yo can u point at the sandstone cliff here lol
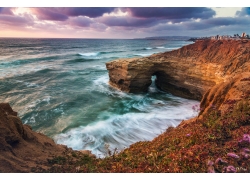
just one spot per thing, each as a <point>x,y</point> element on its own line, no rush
<point>188,72</point>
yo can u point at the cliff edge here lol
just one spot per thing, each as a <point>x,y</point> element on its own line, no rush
<point>187,72</point>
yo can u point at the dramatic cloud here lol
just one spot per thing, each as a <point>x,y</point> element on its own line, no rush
<point>244,11</point>
<point>81,21</point>
<point>171,12</point>
<point>61,14</point>
<point>49,14</point>
<point>127,21</point>
<point>4,10</point>
<point>91,12</point>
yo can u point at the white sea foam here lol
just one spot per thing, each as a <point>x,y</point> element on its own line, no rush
<point>121,130</point>
<point>101,84</point>
<point>31,84</point>
<point>144,54</point>
<point>160,47</point>
<point>47,99</point>
<point>89,54</point>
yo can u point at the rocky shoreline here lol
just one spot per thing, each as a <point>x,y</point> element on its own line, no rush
<point>187,72</point>
<point>216,72</point>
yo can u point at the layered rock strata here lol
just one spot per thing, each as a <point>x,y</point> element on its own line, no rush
<point>187,72</point>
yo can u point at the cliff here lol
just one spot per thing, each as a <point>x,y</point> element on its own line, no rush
<point>22,149</point>
<point>187,72</point>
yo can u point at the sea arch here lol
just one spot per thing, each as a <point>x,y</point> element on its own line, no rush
<point>181,78</point>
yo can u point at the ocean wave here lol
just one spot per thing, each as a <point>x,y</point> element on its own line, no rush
<point>89,58</point>
<point>101,85</point>
<point>148,48</point>
<point>43,71</point>
<point>109,52</point>
<point>93,54</point>
<point>83,59</point>
<point>121,130</point>
<point>27,61</point>
<point>144,54</point>
<point>15,63</point>
<point>89,54</point>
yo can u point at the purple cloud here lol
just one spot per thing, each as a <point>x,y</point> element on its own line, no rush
<point>127,21</point>
<point>5,10</point>
<point>15,20</point>
<point>91,12</point>
<point>62,14</point>
<point>81,21</point>
<point>49,14</point>
<point>171,12</point>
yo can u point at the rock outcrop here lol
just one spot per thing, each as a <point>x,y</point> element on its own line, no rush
<point>187,72</point>
<point>22,149</point>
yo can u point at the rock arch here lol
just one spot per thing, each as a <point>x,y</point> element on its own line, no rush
<point>134,76</point>
<point>187,72</point>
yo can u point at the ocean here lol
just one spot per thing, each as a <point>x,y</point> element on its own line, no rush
<point>60,88</point>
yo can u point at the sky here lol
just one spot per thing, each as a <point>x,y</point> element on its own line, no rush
<point>111,20</point>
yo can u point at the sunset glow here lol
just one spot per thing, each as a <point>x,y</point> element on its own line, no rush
<point>112,22</point>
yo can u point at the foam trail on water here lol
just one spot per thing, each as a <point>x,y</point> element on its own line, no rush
<point>142,54</point>
<point>120,131</point>
<point>89,54</point>
<point>143,117</point>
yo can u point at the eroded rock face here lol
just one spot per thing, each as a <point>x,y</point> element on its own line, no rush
<point>187,72</point>
<point>225,95</point>
<point>22,149</point>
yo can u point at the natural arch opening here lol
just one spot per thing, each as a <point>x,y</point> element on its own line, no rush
<point>156,77</point>
<point>152,87</point>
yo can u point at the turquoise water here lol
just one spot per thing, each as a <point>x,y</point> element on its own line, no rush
<point>60,88</point>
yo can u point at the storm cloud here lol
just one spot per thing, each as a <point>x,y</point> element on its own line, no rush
<point>172,12</point>
<point>91,12</point>
<point>80,21</point>
<point>62,14</point>
<point>126,22</point>
<point>49,14</point>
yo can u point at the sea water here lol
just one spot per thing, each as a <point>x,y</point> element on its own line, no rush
<point>60,88</point>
